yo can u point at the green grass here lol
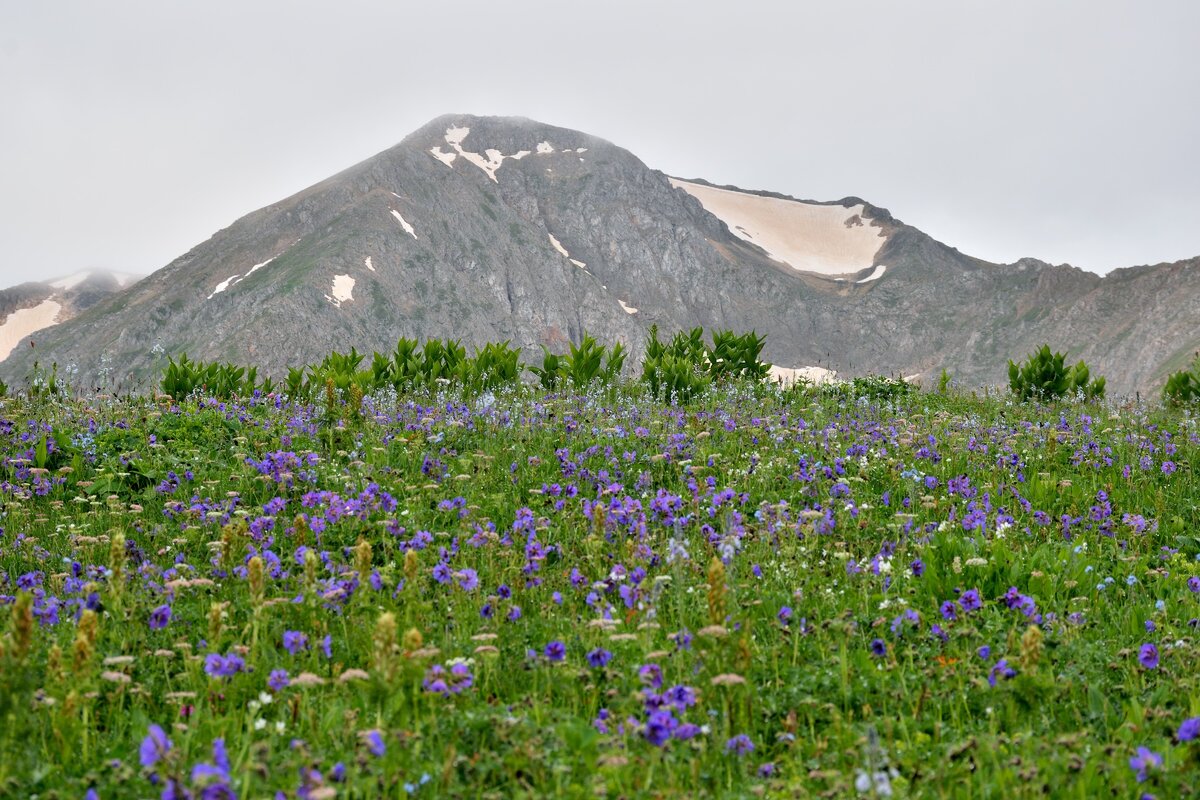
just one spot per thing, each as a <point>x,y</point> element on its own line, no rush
<point>661,535</point>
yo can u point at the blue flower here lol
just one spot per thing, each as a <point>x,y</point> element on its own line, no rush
<point>1148,656</point>
<point>159,617</point>
<point>154,746</point>
<point>1189,729</point>
<point>599,657</point>
<point>739,745</point>
<point>555,651</point>
<point>1143,760</point>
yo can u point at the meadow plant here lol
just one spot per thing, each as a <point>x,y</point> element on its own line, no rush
<point>871,592</point>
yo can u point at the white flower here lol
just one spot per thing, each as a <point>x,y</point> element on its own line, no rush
<point>259,724</point>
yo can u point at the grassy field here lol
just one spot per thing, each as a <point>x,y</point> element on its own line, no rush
<point>812,593</point>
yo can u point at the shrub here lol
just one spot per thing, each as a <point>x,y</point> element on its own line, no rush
<point>1183,387</point>
<point>586,362</point>
<point>182,378</point>
<point>1044,376</point>
<point>685,366</point>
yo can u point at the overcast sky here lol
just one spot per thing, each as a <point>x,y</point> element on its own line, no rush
<point>1068,131</point>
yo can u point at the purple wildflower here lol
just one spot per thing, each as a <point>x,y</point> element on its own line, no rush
<point>1148,656</point>
<point>278,680</point>
<point>599,658</point>
<point>1143,760</point>
<point>1189,729</point>
<point>159,617</point>
<point>154,746</point>
<point>555,651</point>
<point>739,745</point>
<point>295,641</point>
<point>971,600</point>
<point>223,666</point>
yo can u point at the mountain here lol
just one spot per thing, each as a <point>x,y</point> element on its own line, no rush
<point>31,307</point>
<point>486,229</point>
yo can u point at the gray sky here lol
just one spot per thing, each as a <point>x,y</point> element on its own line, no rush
<point>1068,131</point>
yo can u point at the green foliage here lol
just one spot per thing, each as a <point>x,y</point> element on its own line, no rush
<point>873,388</point>
<point>1183,387</point>
<point>584,364</point>
<point>184,377</point>
<point>1044,376</point>
<point>685,366</point>
<point>676,370</point>
<point>762,581</point>
<point>551,371</point>
<point>737,357</point>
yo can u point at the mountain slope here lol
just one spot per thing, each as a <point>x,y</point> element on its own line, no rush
<point>484,228</point>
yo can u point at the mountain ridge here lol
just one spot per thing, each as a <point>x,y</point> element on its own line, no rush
<point>493,228</point>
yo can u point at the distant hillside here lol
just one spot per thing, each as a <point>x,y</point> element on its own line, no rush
<point>485,228</point>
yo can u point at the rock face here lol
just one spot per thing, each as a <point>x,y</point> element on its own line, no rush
<point>486,229</point>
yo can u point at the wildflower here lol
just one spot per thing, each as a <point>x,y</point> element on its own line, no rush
<point>1193,583</point>
<point>159,617</point>
<point>215,776</point>
<point>555,651</point>
<point>154,746</point>
<point>278,680</point>
<point>971,600</point>
<point>682,697</point>
<point>659,728</point>
<point>468,579</point>
<point>917,567</point>
<point>327,646</point>
<point>375,744</point>
<point>295,641</point>
<point>1189,729</point>
<point>727,679</point>
<point>785,615</point>
<point>766,769</point>
<point>223,666</point>
<point>739,745</point>
<point>651,675</point>
<point>878,648</point>
<point>1148,656</point>
<point>1143,760</point>
<point>439,680</point>
<point>949,611</point>
<point>598,658</point>
<point>984,652</point>
<point>1000,670</point>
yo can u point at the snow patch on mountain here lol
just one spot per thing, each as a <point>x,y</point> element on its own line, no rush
<point>808,237</point>
<point>342,290</point>
<point>790,375</point>
<point>489,161</point>
<point>404,224</point>
<point>875,275</point>
<point>234,280</point>
<point>24,321</point>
